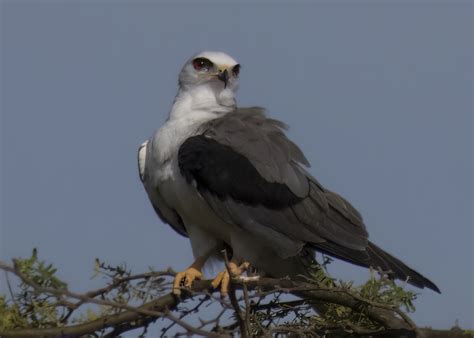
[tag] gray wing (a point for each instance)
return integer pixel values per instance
(253, 176)
(166, 214)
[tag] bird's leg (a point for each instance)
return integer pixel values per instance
(223, 277)
(185, 278)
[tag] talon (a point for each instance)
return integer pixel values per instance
(223, 277)
(217, 281)
(245, 266)
(185, 279)
(225, 285)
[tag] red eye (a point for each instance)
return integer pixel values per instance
(202, 64)
(236, 70)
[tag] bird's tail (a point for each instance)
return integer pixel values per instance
(383, 260)
(377, 258)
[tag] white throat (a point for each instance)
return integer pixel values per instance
(191, 108)
(202, 102)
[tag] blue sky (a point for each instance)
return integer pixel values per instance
(377, 94)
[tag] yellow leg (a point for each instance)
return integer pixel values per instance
(223, 277)
(185, 278)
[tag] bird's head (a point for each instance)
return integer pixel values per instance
(215, 69)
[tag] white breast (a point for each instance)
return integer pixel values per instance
(204, 228)
(190, 111)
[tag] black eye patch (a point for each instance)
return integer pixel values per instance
(202, 64)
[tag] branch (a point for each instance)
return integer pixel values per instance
(160, 307)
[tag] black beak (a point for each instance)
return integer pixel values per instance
(224, 77)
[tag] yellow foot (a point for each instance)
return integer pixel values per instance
(223, 277)
(185, 279)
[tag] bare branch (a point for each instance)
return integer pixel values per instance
(131, 317)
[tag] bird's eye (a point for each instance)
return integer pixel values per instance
(202, 64)
(236, 70)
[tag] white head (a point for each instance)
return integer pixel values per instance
(216, 70)
(207, 86)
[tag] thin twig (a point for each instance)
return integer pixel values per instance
(10, 288)
(233, 298)
(247, 307)
(383, 314)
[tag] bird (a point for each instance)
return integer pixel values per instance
(230, 179)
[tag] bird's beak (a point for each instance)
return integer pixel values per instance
(223, 76)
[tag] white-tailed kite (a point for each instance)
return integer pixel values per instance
(229, 178)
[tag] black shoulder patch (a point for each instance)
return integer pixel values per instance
(219, 169)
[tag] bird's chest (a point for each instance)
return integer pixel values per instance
(179, 194)
(166, 175)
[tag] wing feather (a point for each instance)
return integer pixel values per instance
(142, 160)
(262, 141)
(165, 213)
(253, 176)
